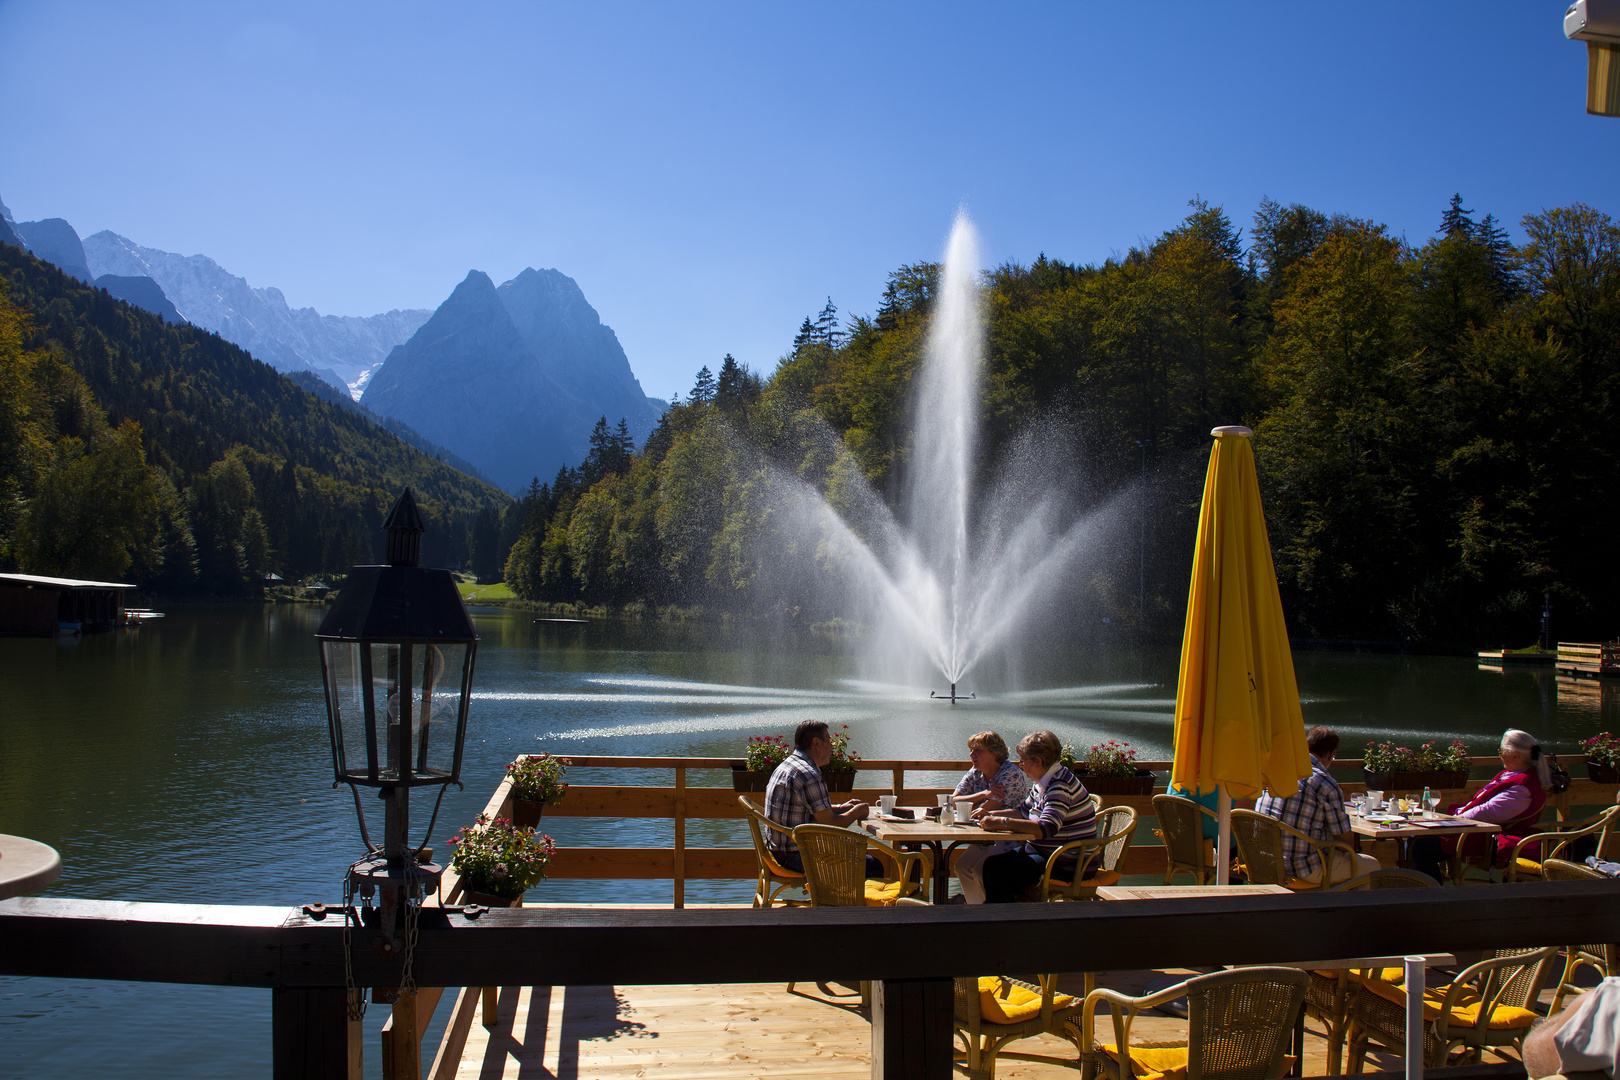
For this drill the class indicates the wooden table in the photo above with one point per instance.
(26, 866)
(1403, 833)
(934, 836)
(1182, 892)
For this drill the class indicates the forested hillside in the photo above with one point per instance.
(1435, 424)
(163, 454)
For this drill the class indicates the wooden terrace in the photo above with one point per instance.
(552, 990)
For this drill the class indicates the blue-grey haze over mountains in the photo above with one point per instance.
(510, 379)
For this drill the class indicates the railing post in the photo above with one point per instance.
(899, 786)
(680, 836)
(312, 1035)
(911, 1029)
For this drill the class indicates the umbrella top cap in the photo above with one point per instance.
(1231, 429)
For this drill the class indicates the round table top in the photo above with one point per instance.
(26, 865)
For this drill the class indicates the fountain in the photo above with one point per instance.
(965, 568)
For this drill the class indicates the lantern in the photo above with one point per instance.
(397, 650)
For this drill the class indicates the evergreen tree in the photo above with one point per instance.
(827, 331)
(805, 337)
(732, 383)
(1457, 221)
(1502, 258)
(702, 390)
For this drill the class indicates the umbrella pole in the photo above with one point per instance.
(1223, 838)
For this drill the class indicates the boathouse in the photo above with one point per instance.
(43, 606)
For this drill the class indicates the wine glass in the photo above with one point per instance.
(1434, 803)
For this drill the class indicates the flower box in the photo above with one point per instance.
(1140, 784)
(1601, 772)
(490, 900)
(742, 779)
(839, 779)
(1415, 781)
(526, 813)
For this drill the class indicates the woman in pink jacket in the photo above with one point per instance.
(1513, 799)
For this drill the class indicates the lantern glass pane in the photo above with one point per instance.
(390, 695)
(437, 675)
(346, 694)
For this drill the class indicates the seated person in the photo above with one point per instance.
(1583, 1038)
(797, 794)
(1057, 812)
(1512, 799)
(1316, 809)
(993, 783)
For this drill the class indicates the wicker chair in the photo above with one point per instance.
(1556, 839)
(1604, 959)
(835, 868)
(985, 1041)
(774, 878)
(1328, 996)
(1106, 852)
(1503, 988)
(1239, 1024)
(1181, 827)
(1260, 846)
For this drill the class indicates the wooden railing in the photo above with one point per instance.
(683, 802)
(912, 953)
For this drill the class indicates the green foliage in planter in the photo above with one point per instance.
(843, 758)
(1603, 749)
(539, 778)
(1112, 758)
(766, 752)
(1386, 757)
(499, 858)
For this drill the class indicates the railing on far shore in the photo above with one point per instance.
(683, 802)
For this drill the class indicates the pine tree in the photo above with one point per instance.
(702, 390)
(729, 390)
(626, 445)
(1456, 220)
(827, 330)
(1502, 258)
(805, 337)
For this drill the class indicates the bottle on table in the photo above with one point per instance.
(1428, 803)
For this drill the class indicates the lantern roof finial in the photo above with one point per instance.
(404, 526)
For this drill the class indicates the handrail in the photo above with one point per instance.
(914, 951)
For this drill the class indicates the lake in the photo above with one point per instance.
(188, 761)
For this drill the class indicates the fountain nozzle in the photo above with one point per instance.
(953, 697)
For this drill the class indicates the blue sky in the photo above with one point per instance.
(711, 173)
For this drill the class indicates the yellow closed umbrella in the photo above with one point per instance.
(1238, 723)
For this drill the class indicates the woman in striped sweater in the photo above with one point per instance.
(1057, 811)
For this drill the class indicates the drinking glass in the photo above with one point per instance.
(1375, 799)
(1434, 804)
(886, 802)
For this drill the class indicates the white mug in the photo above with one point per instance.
(963, 813)
(1375, 799)
(887, 803)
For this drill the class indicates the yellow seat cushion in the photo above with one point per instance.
(1002, 1001)
(1526, 867)
(883, 893)
(1301, 885)
(1101, 879)
(1154, 1062)
(1390, 975)
(1465, 1013)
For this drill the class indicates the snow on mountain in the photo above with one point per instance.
(259, 320)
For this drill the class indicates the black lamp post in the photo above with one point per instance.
(397, 650)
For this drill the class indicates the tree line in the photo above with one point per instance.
(1434, 423)
(135, 450)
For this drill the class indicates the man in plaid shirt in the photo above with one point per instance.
(797, 794)
(1317, 810)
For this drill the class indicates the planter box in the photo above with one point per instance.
(1602, 774)
(1415, 781)
(490, 900)
(1140, 784)
(743, 780)
(526, 814)
(839, 781)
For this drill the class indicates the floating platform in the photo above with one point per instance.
(1507, 657)
(1593, 660)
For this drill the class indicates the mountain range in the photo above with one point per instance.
(511, 379)
(514, 377)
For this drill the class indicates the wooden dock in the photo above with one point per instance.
(1593, 660)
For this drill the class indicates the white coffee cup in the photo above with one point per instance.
(887, 803)
(1375, 799)
(964, 813)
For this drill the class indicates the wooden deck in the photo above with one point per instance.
(745, 1030)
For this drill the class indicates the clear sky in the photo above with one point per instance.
(710, 173)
